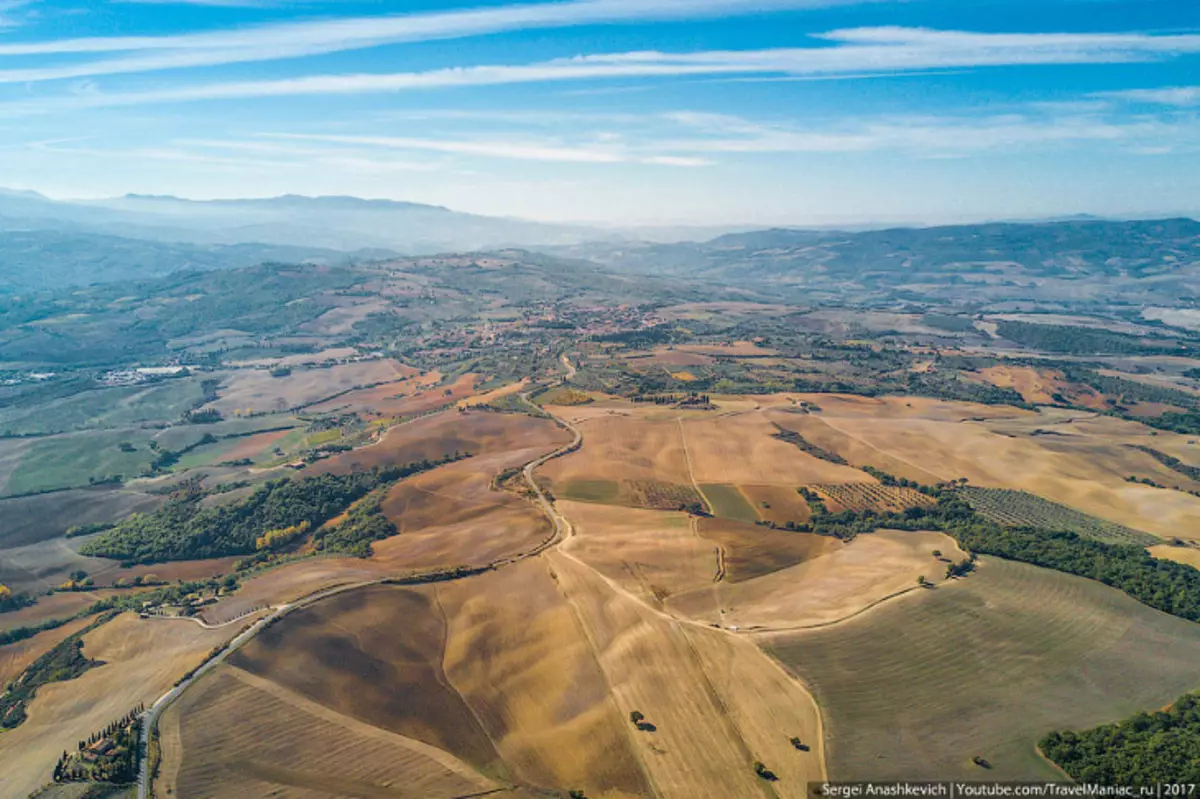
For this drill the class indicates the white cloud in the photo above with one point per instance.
(1182, 96)
(326, 36)
(862, 52)
(933, 136)
(869, 50)
(7, 7)
(596, 153)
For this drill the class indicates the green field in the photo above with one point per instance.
(103, 408)
(605, 491)
(728, 502)
(69, 461)
(1022, 509)
(985, 667)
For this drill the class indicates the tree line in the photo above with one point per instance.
(1147, 749)
(184, 529)
(1161, 584)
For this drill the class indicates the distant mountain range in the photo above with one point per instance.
(46, 244)
(336, 223)
(1155, 261)
(49, 259)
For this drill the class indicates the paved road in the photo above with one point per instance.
(562, 530)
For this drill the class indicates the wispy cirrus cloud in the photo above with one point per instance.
(612, 152)
(870, 50)
(263, 42)
(9, 17)
(861, 52)
(698, 139)
(1182, 96)
(933, 136)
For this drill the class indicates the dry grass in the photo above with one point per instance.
(142, 659)
(254, 446)
(349, 654)
(452, 516)
(427, 399)
(834, 586)
(58, 606)
(669, 356)
(659, 667)
(652, 554)
(303, 358)
(777, 504)
(752, 551)
(741, 449)
(494, 394)
(984, 667)
(255, 390)
(1039, 386)
(1189, 555)
(519, 657)
(1073, 458)
(291, 582)
(621, 448)
(738, 349)
(15, 658)
(381, 400)
(236, 734)
(440, 436)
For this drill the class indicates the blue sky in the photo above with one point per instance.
(621, 111)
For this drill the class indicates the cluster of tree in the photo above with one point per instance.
(110, 755)
(689, 399)
(804, 445)
(175, 594)
(65, 661)
(1183, 422)
(184, 529)
(281, 537)
(1160, 748)
(949, 385)
(164, 458)
(89, 529)
(1069, 339)
(207, 416)
(78, 581)
(642, 339)
(11, 600)
(903, 482)
(953, 324)
(765, 773)
(1172, 463)
(1161, 584)
(353, 535)
(15, 634)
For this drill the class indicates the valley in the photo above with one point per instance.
(483, 525)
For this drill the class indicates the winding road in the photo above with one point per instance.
(562, 530)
